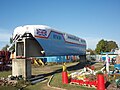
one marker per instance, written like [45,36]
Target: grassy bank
[5,73]
[57,82]
[47,71]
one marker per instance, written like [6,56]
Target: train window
[20,49]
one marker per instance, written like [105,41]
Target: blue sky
[92,20]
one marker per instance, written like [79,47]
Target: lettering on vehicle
[73,37]
[55,36]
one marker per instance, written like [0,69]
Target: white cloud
[118,43]
[4,40]
[4,37]
[92,42]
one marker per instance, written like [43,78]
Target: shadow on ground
[70,68]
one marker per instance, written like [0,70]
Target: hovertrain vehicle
[47,41]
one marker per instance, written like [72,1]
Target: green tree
[112,45]
[11,40]
[5,47]
[101,46]
[13,47]
[92,52]
[105,46]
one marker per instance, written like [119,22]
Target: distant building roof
[108,53]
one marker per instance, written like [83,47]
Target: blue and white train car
[51,41]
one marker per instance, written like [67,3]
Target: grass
[38,86]
[47,71]
[8,88]
[57,82]
[5,73]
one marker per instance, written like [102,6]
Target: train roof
[20,30]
